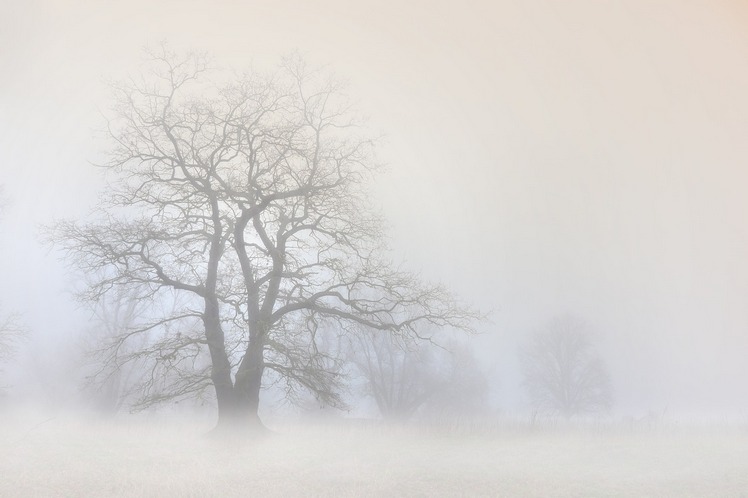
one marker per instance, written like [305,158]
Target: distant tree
[246,202]
[11,330]
[114,375]
[463,392]
[11,335]
[398,374]
[562,373]
[405,376]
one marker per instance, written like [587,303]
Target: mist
[570,176]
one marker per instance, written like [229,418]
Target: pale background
[543,157]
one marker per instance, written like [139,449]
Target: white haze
[166,458]
[544,157]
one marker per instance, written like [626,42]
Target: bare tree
[11,335]
[113,380]
[11,330]
[562,373]
[398,374]
[247,203]
[463,392]
[406,375]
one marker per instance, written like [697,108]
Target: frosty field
[65,457]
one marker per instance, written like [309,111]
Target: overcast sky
[544,157]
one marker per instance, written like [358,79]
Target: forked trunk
[221,367]
[240,413]
[249,379]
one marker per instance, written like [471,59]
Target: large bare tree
[563,375]
[245,201]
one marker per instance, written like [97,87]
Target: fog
[541,160]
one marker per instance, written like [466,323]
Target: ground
[60,456]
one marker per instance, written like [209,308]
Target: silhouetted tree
[11,334]
[463,393]
[562,373]
[246,202]
[406,375]
[11,330]
[116,374]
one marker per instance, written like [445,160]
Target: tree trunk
[249,380]
[220,365]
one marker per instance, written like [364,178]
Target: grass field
[65,457]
